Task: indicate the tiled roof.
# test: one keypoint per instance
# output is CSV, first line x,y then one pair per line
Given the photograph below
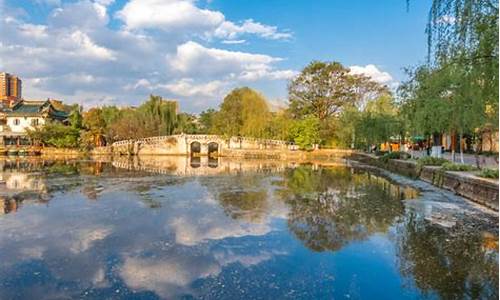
x,y
31,108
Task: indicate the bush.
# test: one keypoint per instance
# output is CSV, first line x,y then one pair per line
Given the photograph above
x,y
489,173
449,166
429,161
380,153
394,155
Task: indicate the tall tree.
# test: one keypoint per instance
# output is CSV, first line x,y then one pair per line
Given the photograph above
x,y
244,112
322,89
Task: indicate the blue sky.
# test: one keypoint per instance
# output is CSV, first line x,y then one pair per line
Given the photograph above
x,y
97,52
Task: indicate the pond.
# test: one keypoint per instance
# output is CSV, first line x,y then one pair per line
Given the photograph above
x,y
172,228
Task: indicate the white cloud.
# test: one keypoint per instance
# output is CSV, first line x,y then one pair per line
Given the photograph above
x,y
267,74
168,15
187,87
49,2
172,15
193,58
80,14
78,57
86,47
233,42
230,30
374,73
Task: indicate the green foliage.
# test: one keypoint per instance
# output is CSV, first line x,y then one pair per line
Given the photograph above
x,y
207,120
154,117
278,125
380,153
489,173
324,88
244,112
186,123
457,91
305,132
429,161
75,117
449,166
158,116
394,155
56,134
376,123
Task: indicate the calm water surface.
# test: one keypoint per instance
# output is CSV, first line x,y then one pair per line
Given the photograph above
x,y
170,228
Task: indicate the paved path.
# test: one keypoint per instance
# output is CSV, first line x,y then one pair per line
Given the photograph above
x,y
470,159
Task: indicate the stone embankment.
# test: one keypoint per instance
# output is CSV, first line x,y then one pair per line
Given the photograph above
x,y
480,190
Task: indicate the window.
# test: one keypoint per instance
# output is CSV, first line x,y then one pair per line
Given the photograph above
x,y
17,122
34,122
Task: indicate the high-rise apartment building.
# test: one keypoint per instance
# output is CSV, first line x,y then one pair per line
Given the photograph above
x,y
10,88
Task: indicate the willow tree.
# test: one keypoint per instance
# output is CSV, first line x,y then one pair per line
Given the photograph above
x,y
463,38
244,112
158,115
457,90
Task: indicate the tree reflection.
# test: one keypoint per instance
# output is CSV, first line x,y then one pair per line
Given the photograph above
x,y
242,197
454,263
331,207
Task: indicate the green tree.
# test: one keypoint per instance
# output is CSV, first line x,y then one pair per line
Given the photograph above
x,y
305,133
55,134
187,123
75,117
159,116
95,124
324,88
207,120
244,112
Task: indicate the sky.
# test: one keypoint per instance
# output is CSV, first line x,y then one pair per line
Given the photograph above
x,y
105,52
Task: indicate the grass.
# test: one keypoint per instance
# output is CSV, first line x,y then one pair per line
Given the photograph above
x,y
488,173
449,166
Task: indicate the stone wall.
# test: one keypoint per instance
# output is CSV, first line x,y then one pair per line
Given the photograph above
x,y
480,190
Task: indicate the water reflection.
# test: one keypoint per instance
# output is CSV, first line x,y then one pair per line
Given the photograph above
x,y
332,207
452,263
149,229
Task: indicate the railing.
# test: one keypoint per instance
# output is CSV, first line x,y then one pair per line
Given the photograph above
x,y
155,139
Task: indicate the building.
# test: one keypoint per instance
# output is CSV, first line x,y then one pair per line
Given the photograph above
x,y
10,89
23,115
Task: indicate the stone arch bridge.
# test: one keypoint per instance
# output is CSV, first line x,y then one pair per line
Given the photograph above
x,y
195,145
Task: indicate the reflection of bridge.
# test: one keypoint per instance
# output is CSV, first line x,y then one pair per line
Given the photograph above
x,y
199,166
195,144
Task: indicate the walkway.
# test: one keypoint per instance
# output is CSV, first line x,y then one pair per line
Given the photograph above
x,y
470,159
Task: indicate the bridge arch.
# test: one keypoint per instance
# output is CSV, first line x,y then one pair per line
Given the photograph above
x,y
195,148
213,149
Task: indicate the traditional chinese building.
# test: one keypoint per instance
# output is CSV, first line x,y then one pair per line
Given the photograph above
x,y
24,115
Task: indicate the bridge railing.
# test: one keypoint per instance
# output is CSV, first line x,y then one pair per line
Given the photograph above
x,y
155,139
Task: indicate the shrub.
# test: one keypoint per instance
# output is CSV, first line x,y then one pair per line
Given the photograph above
x,y
394,155
449,166
429,161
380,153
489,173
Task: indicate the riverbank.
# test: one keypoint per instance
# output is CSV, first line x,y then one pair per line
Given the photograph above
x,y
480,190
